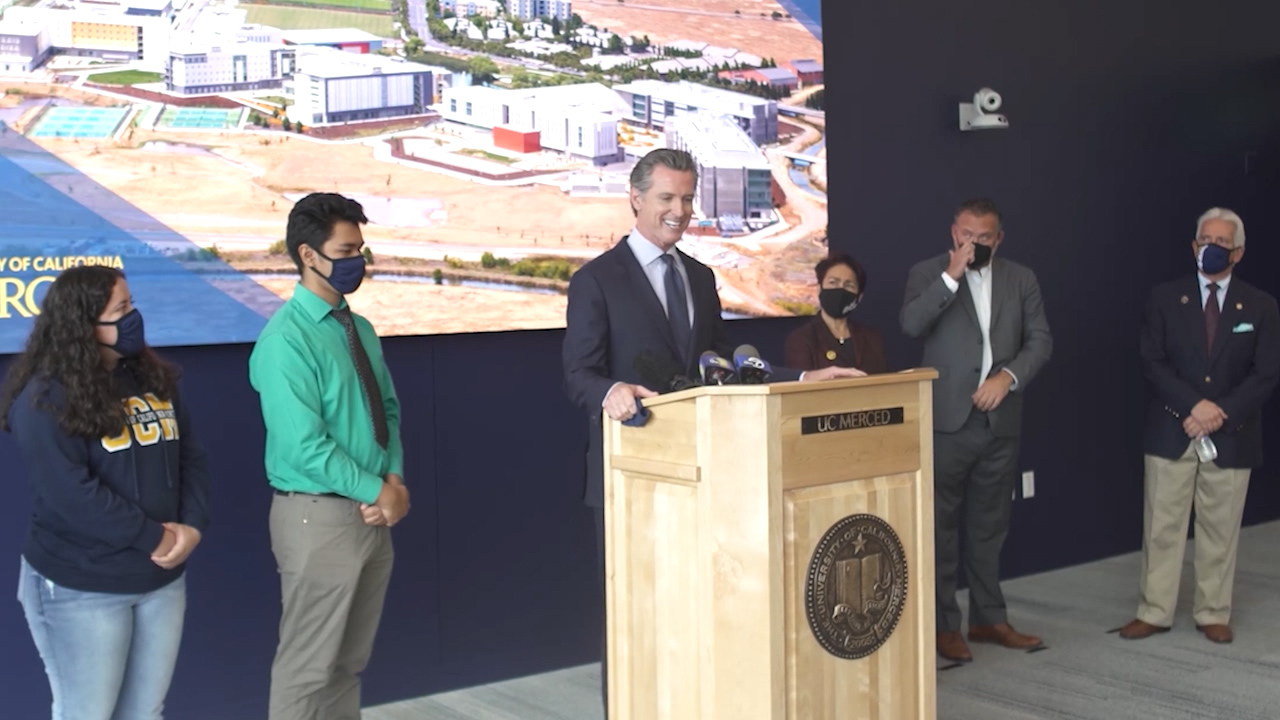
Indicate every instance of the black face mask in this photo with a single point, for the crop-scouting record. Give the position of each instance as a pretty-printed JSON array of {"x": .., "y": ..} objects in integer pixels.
[
  {"x": 837, "y": 302},
  {"x": 981, "y": 256}
]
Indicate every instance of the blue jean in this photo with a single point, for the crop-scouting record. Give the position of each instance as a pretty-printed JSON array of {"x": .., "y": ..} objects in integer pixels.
[{"x": 108, "y": 656}]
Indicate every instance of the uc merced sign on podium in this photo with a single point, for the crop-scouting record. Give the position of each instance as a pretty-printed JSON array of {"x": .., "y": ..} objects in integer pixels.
[{"x": 769, "y": 553}]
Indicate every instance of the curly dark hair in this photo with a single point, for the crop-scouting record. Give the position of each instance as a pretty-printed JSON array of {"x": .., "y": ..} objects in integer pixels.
[{"x": 62, "y": 347}]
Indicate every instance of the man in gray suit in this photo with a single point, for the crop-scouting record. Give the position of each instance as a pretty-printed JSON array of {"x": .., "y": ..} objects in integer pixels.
[{"x": 985, "y": 331}]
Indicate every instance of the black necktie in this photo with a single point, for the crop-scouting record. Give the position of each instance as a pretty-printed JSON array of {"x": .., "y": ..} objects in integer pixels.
[
  {"x": 365, "y": 370},
  {"x": 1212, "y": 311},
  {"x": 677, "y": 305}
]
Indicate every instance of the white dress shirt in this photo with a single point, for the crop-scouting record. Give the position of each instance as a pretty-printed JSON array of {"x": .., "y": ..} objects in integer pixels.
[
  {"x": 979, "y": 282},
  {"x": 650, "y": 259},
  {"x": 1204, "y": 290}
]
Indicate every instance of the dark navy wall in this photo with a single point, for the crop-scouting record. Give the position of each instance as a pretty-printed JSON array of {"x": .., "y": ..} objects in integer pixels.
[{"x": 1127, "y": 122}]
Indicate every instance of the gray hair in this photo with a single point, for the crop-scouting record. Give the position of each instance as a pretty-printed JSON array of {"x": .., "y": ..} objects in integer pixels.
[
  {"x": 678, "y": 160},
  {"x": 1223, "y": 214}
]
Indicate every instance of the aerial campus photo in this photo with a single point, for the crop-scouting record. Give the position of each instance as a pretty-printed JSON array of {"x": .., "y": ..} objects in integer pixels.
[{"x": 490, "y": 141}]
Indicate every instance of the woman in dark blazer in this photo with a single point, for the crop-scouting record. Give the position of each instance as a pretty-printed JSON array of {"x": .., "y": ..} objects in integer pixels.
[{"x": 831, "y": 338}]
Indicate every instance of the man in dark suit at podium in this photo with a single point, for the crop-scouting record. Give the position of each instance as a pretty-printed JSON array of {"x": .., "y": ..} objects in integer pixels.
[
  {"x": 985, "y": 330},
  {"x": 643, "y": 296},
  {"x": 1211, "y": 347}
]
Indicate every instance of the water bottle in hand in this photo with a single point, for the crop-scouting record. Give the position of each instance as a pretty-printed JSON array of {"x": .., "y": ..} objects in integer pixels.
[{"x": 1205, "y": 449}]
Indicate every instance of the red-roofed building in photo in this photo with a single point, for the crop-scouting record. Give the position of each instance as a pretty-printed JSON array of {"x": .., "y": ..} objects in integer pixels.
[
  {"x": 809, "y": 71},
  {"x": 346, "y": 39},
  {"x": 773, "y": 77}
]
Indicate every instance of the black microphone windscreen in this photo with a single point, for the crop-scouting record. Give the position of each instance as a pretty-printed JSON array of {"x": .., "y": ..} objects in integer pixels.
[{"x": 655, "y": 370}]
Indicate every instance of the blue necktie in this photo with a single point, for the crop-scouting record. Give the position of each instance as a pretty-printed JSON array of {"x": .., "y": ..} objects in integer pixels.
[{"x": 677, "y": 306}]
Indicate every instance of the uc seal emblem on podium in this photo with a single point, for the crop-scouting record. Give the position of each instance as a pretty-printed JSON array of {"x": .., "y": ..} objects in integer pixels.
[{"x": 856, "y": 586}]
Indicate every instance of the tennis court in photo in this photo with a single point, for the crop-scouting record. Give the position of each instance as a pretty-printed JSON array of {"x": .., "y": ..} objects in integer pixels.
[
  {"x": 200, "y": 118},
  {"x": 80, "y": 122}
]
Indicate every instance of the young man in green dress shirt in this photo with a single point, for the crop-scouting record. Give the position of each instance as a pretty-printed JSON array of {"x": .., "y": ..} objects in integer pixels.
[{"x": 334, "y": 458}]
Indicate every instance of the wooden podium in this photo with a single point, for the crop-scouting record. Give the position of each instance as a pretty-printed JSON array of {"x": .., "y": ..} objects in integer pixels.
[{"x": 769, "y": 553}]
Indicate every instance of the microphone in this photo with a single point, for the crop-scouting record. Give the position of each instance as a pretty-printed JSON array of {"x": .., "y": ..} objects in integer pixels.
[
  {"x": 661, "y": 373},
  {"x": 752, "y": 369},
  {"x": 716, "y": 370}
]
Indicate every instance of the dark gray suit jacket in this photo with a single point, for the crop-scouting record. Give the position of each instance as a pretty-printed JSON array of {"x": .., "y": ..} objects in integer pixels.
[
  {"x": 948, "y": 324},
  {"x": 613, "y": 317}
]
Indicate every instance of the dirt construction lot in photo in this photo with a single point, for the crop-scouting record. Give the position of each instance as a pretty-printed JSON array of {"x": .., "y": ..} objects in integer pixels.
[
  {"x": 710, "y": 21},
  {"x": 239, "y": 188}
]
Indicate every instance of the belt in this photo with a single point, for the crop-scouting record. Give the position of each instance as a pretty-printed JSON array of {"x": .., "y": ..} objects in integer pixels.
[{"x": 291, "y": 493}]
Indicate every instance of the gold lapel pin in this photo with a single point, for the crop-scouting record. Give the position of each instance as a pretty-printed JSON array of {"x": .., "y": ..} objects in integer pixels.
[
  {"x": 1239, "y": 306},
  {"x": 831, "y": 354},
  {"x": 1184, "y": 300}
]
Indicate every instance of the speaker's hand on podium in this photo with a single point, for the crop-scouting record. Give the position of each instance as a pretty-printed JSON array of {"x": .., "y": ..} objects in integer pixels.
[
  {"x": 831, "y": 373},
  {"x": 620, "y": 403}
]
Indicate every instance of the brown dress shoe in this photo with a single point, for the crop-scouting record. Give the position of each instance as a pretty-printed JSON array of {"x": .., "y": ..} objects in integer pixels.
[
  {"x": 951, "y": 646},
  {"x": 1217, "y": 633},
  {"x": 1003, "y": 634},
  {"x": 1139, "y": 630}
]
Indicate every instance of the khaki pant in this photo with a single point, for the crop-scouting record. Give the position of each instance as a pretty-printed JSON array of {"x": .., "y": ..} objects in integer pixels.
[
  {"x": 1218, "y": 494},
  {"x": 334, "y": 572}
]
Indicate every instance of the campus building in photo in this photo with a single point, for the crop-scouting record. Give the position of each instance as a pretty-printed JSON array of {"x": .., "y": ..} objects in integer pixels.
[
  {"x": 250, "y": 57},
  {"x": 332, "y": 86},
  {"x": 534, "y": 9},
  {"x": 579, "y": 120},
  {"x": 135, "y": 31},
  {"x": 653, "y": 103},
  {"x": 734, "y": 177},
  {"x": 24, "y": 46}
]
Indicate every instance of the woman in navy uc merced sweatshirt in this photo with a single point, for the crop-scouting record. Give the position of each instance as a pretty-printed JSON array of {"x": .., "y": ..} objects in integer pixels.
[{"x": 120, "y": 499}]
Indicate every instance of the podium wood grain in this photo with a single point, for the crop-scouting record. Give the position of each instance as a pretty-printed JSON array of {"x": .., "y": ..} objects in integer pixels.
[{"x": 713, "y": 511}]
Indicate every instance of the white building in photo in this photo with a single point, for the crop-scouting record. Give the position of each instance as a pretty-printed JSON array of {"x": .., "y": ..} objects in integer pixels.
[
  {"x": 734, "y": 177},
  {"x": 610, "y": 62},
  {"x": 533, "y": 9},
  {"x": 687, "y": 46},
  {"x": 540, "y": 48},
  {"x": 332, "y": 86},
  {"x": 653, "y": 103},
  {"x": 538, "y": 29},
  {"x": 596, "y": 38},
  {"x": 578, "y": 120},
  {"x": 24, "y": 46},
  {"x": 136, "y": 31},
  {"x": 472, "y": 8},
  {"x": 250, "y": 57}
]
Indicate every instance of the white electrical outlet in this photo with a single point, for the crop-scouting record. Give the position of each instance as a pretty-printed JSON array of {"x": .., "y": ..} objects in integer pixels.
[{"x": 1028, "y": 484}]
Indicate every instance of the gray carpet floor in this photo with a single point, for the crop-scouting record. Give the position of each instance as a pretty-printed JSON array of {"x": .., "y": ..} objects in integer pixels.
[{"x": 1086, "y": 673}]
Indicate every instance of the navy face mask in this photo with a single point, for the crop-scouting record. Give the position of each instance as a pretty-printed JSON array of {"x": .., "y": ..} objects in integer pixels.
[
  {"x": 131, "y": 338},
  {"x": 1214, "y": 259},
  {"x": 347, "y": 273}
]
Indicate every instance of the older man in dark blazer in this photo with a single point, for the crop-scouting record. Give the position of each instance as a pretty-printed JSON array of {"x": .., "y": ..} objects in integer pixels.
[
  {"x": 643, "y": 296},
  {"x": 1211, "y": 347},
  {"x": 985, "y": 331}
]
